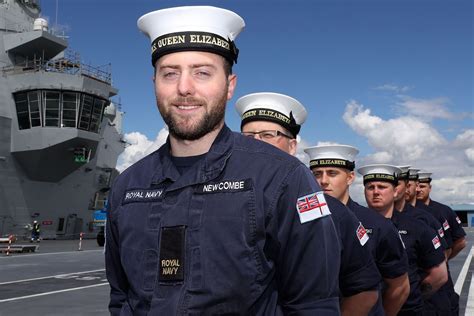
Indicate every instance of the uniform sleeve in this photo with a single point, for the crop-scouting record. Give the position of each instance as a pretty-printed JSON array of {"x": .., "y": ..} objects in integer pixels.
[
  {"x": 115, "y": 274},
  {"x": 358, "y": 270},
  {"x": 391, "y": 256},
  {"x": 429, "y": 250},
  {"x": 309, "y": 255},
  {"x": 455, "y": 224},
  {"x": 436, "y": 225}
]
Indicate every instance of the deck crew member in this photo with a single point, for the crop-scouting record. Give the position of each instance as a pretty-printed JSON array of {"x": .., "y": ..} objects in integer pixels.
[
  {"x": 451, "y": 224},
  {"x": 333, "y": 167},
  {"x": 276, "y": 119},
  {"x": 423, "y": 247},
  {"x": 212, "y": 223}
]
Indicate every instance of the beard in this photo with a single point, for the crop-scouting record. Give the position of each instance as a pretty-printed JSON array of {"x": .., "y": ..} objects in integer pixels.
[{"x": 192, "y": 127}]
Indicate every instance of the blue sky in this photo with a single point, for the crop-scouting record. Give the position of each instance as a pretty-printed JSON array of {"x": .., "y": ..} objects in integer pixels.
[{"x": 358, "y": 67}]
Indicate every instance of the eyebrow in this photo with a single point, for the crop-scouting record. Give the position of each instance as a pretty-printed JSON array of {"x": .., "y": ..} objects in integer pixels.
[{"x": 193, "y": 66}]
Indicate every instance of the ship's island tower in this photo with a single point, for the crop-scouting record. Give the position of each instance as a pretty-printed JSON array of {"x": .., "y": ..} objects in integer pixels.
[{"x": 60, "y": 135}]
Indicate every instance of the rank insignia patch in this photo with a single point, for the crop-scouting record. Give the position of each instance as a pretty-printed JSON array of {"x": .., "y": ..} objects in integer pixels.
[{"x": 312, "y": 206}]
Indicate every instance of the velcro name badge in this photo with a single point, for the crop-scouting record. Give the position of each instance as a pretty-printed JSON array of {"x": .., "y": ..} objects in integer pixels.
[
  {"x": 142, "y": 195},
  {"x": 230, "y": 186},
  {"x": 311, "y": 207},
  {"x": 172, "y": 254},
  {"x": 436, "y": 242},
  {"x": 362, "y": 234}
]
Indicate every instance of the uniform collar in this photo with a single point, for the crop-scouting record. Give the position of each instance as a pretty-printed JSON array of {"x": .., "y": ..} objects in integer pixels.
[{"x": 205, "y": 170}]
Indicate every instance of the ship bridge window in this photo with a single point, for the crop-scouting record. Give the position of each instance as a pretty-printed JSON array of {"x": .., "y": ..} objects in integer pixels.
[
  {"x": 51, "y": 110},
  {"x": 66, "y": 109},
  {"x": 69, "y": 109},
  {"x": 21, "y": 100}
]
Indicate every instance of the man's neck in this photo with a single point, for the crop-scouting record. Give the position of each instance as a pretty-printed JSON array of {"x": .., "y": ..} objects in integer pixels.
[
  {"x": 345, "y": 197},
  {"x": 186, "y": 148},
  {"x": 427, "y": 201},
  {"x": 387, "y": 213},
  {"x": 413, "y": 201},
  {"x": 400, "y": 205}
]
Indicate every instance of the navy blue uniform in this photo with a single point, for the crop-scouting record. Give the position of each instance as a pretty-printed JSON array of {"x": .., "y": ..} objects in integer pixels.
[
  {"x": 385, "y": 246},
  {"x": 424, "y": 252},
  {"x": 225, "y": 237},
  {"x": 455, "y": 231},
  {"x": 358, "y": 270},
  {"x": 439, "y": 303}
]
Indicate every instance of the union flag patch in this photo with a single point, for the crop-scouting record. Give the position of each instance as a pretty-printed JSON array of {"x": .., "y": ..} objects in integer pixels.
[
  {"x": 458, "y": 220},
  {"x": 312, "y": 206}
]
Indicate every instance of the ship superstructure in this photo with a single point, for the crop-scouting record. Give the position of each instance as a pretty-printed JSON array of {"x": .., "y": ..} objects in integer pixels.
[{"x": 60, "y": 135}]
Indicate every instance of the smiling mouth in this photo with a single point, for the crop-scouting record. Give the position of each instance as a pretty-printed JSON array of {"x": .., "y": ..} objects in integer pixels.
[{"x": 187, "y": 107}]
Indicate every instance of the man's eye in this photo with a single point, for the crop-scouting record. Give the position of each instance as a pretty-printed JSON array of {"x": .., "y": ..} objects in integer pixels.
[
  {"x": 170, "y": 74},
  {"x": 267, "y": 135},
  {"x": 203, "y": 74}
]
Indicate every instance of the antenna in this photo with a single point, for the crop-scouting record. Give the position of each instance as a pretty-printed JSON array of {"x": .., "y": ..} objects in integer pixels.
[{"x": 56, "y": 22}]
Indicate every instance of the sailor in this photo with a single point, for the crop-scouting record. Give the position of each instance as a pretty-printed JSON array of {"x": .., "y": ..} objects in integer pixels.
[
  {"x": 423, "y": 247},
  {"x": 436, "y": 301},
  {"x": 451, "y": 224},
  {"x": 406, "y": 201},
  {"x": 212, "y": 223},
  {"x": 333, "y": 167},
  {"x": 276, "y": 119}
]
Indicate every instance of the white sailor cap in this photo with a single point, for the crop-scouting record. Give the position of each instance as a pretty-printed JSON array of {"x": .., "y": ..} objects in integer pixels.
[
  {"x": 380, "y": 172},
  {"x": 413, "y": 174},
  {"x": 196, "y": 28},
  {"x": 273, "y": 107},
  {"x": 424, "y": 177},
  {"x": 340, "y": 156},
  {"x": 404, "y": 172}
]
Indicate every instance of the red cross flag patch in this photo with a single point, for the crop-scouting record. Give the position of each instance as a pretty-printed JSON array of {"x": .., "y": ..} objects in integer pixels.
[
  {"x": 441, "y": 232},
  {"x": 312, "y": 206},
  {"x": 362, "y": 234},
  {"x": 436, "y": 242},
  {"x": 458, "y": 220},
  {"x": 446, "y": 225}
]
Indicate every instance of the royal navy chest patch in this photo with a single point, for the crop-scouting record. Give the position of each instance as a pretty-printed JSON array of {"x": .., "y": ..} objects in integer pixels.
[
  {"x": 229, "y": 186},
  {"x": 362, "y": 234},
  {"x": 311, "y": 207},
  {"x": 142, "y": 195}
]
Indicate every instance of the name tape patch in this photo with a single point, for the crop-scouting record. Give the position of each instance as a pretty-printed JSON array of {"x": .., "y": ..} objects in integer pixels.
[
  {"x": 172, "y": 250},
  {"x": 230, "y": 186},
  {"x": 142, "y": 195},
  {"x": 311, "y": 207},
  {"x": 362, "y": 234}
]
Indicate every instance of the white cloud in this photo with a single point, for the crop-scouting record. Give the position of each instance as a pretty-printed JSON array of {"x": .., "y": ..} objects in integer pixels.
[
  {"x": 410, "y": 140},
  {"x": 426, "y": 109},
  {"x": 406, "y": 138},
  {"x": 140, "y": 146}
]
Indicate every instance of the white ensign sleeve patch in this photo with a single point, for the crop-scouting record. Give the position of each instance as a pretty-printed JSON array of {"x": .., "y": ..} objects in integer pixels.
[
  {"x": 362, "y": 234},
  {"x": 311, "y": 207}
]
